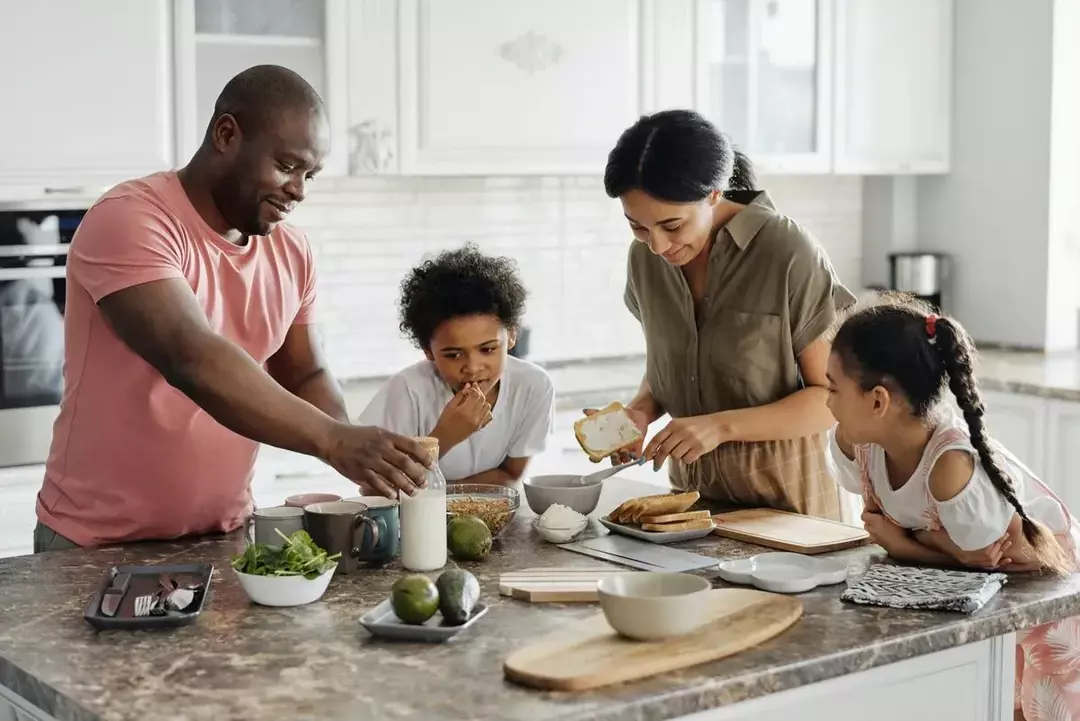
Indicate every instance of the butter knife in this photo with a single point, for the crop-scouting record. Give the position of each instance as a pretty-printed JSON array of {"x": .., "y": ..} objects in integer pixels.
[{"x": 114, "y": 594}]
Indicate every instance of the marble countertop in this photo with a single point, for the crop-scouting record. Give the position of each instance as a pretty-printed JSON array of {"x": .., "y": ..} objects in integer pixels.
[
  {"x": 1050, "y": 375},
  {"x": 241, "y": 661}
]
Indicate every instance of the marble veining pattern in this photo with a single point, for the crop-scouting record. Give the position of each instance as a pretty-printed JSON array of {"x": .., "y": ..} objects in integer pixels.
[{"x": 244, "y": 662}]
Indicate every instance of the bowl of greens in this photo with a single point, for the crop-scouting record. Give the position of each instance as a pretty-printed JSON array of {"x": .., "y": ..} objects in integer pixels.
[{"x": 296, "y": 573}]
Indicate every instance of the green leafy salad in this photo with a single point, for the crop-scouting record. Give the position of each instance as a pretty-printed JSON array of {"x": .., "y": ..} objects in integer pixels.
[{"x": 297, "y": 556}]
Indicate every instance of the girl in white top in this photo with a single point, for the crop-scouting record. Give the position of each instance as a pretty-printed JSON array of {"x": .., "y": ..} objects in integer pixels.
[
  {"x": 490, "y": 411},
  {"x": 937, "y": 489}
]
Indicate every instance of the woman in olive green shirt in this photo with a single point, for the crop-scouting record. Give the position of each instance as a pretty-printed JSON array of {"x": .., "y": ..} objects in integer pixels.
[{"x": 735, "y": 300}]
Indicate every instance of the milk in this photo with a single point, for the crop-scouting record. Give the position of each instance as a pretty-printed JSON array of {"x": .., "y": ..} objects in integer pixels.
[{"x": 423, "y": 529}]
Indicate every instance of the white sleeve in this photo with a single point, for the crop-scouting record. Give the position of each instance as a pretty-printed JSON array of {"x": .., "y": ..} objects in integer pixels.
[
  {"x": 394, "y": 409},
  {"x": 537, "y": 423},
  {"x": 976, "y": 516},
  {"x": 848, "y": 472}
]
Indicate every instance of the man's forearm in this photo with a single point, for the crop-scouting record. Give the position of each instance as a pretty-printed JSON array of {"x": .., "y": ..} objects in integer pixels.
[
  {"x": 230, "y": 386},
  {"x": 321, "y": 390}
]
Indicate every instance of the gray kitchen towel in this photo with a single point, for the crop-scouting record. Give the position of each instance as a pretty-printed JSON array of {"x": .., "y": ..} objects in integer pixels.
[{"x": 923, "y": 588}]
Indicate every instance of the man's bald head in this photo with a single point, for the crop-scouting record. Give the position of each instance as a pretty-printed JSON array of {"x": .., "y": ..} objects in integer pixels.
[{"x": 259, "y": 96}]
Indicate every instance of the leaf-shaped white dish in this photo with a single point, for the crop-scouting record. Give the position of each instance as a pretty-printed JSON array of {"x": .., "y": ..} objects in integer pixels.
[{"x": 784, "y": 572}]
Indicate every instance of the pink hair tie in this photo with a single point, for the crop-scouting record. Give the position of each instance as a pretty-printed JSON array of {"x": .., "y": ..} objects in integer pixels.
[{"x": 931, "y": 328}]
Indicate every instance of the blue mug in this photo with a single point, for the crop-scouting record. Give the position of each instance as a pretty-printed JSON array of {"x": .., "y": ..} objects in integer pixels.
[{"x": 384, "y": 511}]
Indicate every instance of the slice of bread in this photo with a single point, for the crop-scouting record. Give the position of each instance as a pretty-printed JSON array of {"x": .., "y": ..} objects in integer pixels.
[
  {"x": 677, "y": 517},
  {"x": 606, "y": 432},
  {"x": 663, "y": 505},
  {"x": 695, "y": 524}
]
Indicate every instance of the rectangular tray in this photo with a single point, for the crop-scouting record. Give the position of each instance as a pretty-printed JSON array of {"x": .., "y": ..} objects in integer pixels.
[
  {"x": 656, "y": 536},
  {"x": 382, "y": 622},
  {"x": 144, "y": 579}
]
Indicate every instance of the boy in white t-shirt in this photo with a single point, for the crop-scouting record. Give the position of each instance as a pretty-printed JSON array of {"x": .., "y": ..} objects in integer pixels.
[{"x": 490, "y": 411}]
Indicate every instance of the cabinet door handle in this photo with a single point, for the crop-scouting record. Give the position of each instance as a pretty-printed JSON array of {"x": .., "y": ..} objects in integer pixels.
[{"x": 72, "y": 190}]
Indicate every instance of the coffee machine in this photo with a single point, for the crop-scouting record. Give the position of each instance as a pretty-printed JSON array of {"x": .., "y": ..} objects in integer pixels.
[{"x": 920, "y": 274}]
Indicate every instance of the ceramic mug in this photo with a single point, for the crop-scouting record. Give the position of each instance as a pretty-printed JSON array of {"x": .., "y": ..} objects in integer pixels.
[
  {"x": 302, "y": 500},
  {"x": 344, "y": 527},
  {"x": 263, "y": 524},
  {"x": 385, "y": 513}
]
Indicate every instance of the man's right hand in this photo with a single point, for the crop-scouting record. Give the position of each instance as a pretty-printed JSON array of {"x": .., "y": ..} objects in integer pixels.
[
  {"x": 641, "y": 420},
  {"x": 466, "y": 413},
  {"x": 377, "y": 460}
]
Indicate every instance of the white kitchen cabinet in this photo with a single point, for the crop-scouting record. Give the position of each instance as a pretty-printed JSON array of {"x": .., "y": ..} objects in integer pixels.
[
  {"x": 893, "y": 86},
  {"x": 217, "y": 39},
  {"x": 1063, "y": 451},
  {"x": 87, "y": 92},
  {"x": 1018, "y": 422},
  {"x": 763, "y": 75},
  {"x": 491, "y": 87},
  {"x": 19, "y": 487}
]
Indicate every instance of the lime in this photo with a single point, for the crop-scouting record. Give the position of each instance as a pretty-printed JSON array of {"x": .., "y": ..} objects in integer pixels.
[
  {"x": 468, "y": 538},
  {"x": 414, "y": 598}
]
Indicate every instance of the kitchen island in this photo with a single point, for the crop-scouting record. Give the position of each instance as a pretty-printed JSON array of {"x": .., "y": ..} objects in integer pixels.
[{"x": 242, "y": 661}]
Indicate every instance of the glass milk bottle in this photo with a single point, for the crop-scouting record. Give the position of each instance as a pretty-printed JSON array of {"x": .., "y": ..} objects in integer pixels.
[{"x": 423, "y": 518}]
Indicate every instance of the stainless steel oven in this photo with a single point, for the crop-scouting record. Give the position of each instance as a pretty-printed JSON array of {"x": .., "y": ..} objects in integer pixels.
[{"x": 34, "y": 242}]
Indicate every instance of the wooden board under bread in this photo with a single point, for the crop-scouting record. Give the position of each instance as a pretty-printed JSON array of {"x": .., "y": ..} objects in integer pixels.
[{"x": 787, "y": 531}]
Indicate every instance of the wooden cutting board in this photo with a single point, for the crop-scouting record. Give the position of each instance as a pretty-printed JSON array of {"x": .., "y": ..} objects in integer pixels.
[
  {"x": 589, "y": 654},
  {"x": 788, "y": 531},
  {"x": 556, "y": 584}
]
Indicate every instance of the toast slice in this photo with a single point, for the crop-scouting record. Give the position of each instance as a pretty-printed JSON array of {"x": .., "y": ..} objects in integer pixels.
[
  {"x": 606, "y": 432},
  {"x": 694, "y": 524},
  {"x": 677, "y": 517},
  {"x": 663, "y": 505}
]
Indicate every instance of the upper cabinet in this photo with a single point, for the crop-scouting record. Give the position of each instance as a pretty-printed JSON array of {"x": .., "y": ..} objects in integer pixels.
[
  {"x": 493, "y": 87},
  {"x": 894, "y": 62},
  {"x": 762, "y": 75},
  {"x": 79, "y": 108},
  {"x": 216, "y": 39}
]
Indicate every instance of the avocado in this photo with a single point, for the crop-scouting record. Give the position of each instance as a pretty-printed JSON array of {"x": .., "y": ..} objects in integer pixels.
[
  {"x": 414, "y": 598},
  {"x": 468, "y": 538},
  {"x": 459, "y": 592}
]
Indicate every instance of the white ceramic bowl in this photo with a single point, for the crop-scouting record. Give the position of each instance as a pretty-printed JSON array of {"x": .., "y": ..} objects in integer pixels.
[
  {"x": 647, "y": 606},
  {"x": 284, "y": 590},
  {"x": 542, "y": 491},
  {"x": 560, "y": 535}
]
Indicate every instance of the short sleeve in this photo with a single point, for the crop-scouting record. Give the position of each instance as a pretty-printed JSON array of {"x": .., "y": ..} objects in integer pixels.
[
  {"x": 976, "y": 516},
  {"x": 848, "y": 472},
  {"x": 394, "y": 409},
  {"x": 306, "y": 314},
  {"x": 124, "y": 242},
  {"x": 815, "y": 296},
  {"x": 630, "y": 296},
  {"x": 538, "y": 422}
]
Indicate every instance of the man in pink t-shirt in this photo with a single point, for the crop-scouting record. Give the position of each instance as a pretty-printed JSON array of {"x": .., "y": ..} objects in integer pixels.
[{"x": 189, "y": 340}]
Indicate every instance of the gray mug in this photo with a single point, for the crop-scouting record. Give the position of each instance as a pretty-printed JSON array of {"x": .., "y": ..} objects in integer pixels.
[
  {"x": 384, "y": 511},
  {"x": 264, "y": 523},
  {"x": 344, "y": 527}
]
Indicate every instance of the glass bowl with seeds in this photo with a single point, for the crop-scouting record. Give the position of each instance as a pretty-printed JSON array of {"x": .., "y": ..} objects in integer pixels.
[{"x": 494, "y": 505}]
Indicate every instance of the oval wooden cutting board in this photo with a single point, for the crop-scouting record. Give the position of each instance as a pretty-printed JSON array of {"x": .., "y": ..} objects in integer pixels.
[{"x": 588, "y": 654}]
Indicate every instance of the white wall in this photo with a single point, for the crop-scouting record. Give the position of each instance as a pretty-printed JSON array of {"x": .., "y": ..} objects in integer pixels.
[
  {"x": 992, "y": 210},
  {"x": 568, "y": 237}
]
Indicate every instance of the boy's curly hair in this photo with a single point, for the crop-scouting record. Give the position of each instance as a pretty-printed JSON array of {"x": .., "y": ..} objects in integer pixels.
[{"x": 457, "y": 283}]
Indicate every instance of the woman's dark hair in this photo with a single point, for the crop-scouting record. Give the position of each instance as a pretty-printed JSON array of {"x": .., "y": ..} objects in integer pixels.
[
  {"x": 676, "y": 156},
  {"x": 458, "y": 283},
  {"x": 900, "y": 345}
]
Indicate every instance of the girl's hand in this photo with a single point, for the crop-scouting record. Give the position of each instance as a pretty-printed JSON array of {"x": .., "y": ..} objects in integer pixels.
[
  {"x": 685, "y": 440},
  {"x": 991, "y": 558},
  {"x": 882, "y": 531}
]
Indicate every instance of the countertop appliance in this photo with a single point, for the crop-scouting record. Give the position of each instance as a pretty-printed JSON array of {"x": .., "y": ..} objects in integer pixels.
[{"x": 923, "y": 275}]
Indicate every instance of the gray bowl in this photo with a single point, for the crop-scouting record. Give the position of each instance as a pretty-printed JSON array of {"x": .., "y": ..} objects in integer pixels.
[{"x": 542, "y": 491}]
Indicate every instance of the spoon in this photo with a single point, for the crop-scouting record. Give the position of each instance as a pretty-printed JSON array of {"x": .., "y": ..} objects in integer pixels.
[{"x": 606, "y": 473}]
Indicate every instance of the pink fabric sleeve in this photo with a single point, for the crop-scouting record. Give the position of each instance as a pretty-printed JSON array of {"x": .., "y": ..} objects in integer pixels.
[
  {"x": 306, "y": 315},
  {"x": 123, "y": 242}
]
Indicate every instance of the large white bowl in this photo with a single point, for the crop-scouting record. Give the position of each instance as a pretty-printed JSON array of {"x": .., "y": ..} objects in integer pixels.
[
  {"x": 284, "y": 590},
  {"x": 648, "y": 606},
  {"x": 543, "y": 491}
]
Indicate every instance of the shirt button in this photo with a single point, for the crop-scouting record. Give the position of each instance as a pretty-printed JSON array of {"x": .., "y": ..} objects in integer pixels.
[{"x": 693, "y": 379}]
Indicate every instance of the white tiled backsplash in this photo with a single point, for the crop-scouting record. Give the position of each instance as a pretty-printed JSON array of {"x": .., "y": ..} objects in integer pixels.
[{"x": 569, "y": 239}]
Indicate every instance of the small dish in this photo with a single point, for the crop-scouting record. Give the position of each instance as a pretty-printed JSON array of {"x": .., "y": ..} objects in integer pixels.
[
  {"x": 784, "y": 572},
  {"x": 284, "y": 591},
  {"x": 382, "y": 622},
  {"x": 648, "y": 606},
  {"x": 144, "y": 581},
  {"x": 541, "y": 492},
  {"x": 656, "y": 536},
  {"x": 560, "y": 535},
  {"x": 306, "y": 499}
]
